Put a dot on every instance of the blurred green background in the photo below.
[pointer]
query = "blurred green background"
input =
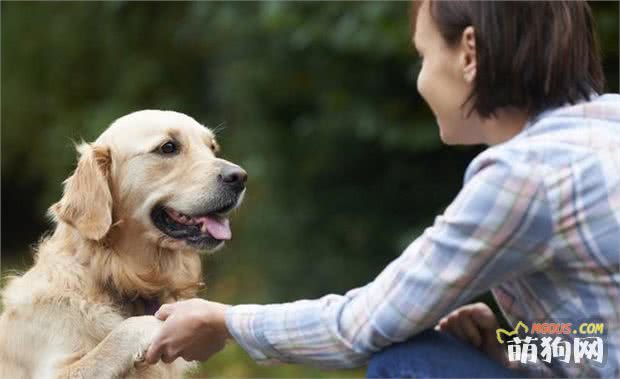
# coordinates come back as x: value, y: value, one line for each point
x: 317, y: 100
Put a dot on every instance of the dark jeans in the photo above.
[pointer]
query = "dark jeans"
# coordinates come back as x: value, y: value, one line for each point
x: 433, y: 354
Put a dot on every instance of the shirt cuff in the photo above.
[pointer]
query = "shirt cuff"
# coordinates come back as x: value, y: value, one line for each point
x: 246, y: 324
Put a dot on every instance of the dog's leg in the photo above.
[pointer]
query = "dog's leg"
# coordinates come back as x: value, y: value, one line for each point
x: 116, y: 354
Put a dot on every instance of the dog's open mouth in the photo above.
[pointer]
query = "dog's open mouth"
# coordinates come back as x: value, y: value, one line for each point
x: 205, y: 231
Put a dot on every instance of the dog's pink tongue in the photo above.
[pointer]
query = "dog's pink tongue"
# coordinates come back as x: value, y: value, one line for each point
x: 219, y: 229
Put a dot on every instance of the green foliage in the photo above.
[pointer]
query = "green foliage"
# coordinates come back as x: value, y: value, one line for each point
x: 317, y: 100
x: 233, y: 362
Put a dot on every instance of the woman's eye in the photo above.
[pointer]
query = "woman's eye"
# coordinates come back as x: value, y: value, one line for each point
x: 169, y: 148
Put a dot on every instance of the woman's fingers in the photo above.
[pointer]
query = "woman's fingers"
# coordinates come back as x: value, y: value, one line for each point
x: 164, y: 311
x: 460, y: 325
x: 485, y: 317
x: 473, y: 323
x: 471, y: 331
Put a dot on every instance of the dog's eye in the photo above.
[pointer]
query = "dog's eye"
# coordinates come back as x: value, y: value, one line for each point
x: 169, y: 148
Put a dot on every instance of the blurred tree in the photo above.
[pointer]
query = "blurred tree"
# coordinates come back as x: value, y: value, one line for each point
x: 316, y: 100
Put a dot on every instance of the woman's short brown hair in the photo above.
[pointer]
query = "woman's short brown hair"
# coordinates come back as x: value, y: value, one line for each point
x: 531, y: 55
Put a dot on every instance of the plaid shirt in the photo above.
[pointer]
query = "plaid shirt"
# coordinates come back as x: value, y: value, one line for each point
x: 537, y: 222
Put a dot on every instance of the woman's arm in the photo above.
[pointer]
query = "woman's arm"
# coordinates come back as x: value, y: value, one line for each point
x: 497, y: 228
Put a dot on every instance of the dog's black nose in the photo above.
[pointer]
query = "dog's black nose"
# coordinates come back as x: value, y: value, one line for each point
x: 234, y: 177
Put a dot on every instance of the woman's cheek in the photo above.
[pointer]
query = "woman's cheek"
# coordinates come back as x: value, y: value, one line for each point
x: 426, y: 88
x: 420, y: 80
x: 421, y: 84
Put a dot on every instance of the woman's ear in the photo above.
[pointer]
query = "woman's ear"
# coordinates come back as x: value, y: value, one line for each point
x: 468, y: 56
x: 87, y: 201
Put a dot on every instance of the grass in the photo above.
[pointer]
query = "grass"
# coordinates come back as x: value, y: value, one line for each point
x: 233, y: 362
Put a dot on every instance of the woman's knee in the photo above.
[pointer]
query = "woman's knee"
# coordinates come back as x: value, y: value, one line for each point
x: 404, y: 359
x: 433, y: 354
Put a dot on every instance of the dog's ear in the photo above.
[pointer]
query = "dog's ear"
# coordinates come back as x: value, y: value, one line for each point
x: 87, y: 201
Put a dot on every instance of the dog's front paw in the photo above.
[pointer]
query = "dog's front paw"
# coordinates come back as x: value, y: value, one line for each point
x: 140, y: 332
x: 139, y: 357
x: 139, y: 361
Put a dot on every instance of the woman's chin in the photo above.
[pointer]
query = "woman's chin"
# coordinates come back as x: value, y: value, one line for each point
x: 452, y: 139
x: 446, y: 137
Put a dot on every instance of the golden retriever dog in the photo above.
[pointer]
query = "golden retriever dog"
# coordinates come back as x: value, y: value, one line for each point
x: 146, y: 197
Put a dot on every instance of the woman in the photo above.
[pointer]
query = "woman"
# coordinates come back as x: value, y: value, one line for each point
x: 537, y: 220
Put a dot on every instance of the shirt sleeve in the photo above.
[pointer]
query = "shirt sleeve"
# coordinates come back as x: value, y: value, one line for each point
x: 497, y: 228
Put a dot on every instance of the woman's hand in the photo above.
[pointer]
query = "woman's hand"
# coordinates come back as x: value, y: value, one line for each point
x: 476, y: 325
x: 193, y: 329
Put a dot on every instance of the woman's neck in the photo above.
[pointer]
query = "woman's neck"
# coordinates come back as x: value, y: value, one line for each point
x: 506, y: 124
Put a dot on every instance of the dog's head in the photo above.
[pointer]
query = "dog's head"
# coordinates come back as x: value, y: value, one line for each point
x: 155, y: 173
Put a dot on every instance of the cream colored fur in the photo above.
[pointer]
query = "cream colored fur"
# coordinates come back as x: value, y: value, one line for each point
x: 76, y: 313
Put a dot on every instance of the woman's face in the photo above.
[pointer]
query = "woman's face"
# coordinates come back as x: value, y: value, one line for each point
x: 446, y: 79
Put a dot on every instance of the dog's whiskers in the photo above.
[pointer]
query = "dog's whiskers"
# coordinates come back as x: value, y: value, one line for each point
x: 217, y: 129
